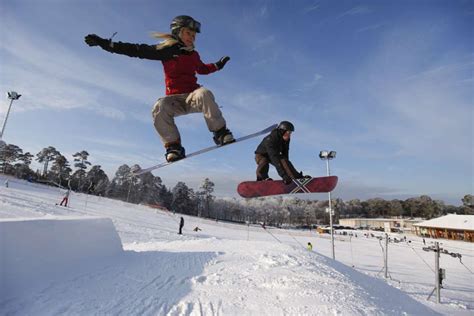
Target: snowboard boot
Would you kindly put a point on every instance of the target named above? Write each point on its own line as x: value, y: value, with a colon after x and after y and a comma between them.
x: 175, y: 152
x: 223, y: 137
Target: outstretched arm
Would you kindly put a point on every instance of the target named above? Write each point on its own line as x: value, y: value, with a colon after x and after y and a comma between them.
x: 204, y: 69
x: 133, y: 50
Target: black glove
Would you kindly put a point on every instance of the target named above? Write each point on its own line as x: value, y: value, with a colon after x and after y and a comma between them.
x: 287, y: 179
x: 94, y: 40
x: 221, y: 63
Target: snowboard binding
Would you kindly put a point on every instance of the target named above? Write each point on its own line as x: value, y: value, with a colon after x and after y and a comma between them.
x: 223, y: 137
x: 175, y: 152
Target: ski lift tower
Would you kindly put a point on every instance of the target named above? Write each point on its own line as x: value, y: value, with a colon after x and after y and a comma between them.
x: 328, y: 155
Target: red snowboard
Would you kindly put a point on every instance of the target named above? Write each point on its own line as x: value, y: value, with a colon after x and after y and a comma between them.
x: 249, y: 189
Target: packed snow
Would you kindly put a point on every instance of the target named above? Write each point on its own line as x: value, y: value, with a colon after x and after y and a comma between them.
x: 74, y: 264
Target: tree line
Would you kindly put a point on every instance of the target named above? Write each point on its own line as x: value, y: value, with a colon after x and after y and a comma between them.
x: 148, y: 189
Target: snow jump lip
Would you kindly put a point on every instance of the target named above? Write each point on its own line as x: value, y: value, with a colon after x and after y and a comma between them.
x: 250, y: 189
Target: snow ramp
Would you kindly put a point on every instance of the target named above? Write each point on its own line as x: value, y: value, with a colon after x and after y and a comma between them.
x: 37, y: 251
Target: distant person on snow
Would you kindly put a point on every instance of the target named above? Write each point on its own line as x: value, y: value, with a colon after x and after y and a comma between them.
x: 184, y: 95
x: 310, y: 246
x: 65, y: 198
x: 181, y: 225
x: 274, y: 149
x: 6, y: 183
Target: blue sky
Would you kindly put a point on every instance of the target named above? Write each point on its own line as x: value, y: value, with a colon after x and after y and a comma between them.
x: 386, y: 84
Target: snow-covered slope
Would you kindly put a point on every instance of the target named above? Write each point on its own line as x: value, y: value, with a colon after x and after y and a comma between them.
x: 224, y: 269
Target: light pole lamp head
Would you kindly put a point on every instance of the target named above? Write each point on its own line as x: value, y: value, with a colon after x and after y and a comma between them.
x: 12, y: 95
x: 327, y: 155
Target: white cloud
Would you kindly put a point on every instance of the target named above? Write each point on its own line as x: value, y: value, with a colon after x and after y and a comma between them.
x: 313, y: 7
x: 373, y: 27
x: 58, y: 78
x: 316, y: 79
x: 359, y: 10
x: 111, y: 112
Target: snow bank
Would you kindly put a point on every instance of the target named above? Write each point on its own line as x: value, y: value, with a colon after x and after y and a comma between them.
x: 37, y: 251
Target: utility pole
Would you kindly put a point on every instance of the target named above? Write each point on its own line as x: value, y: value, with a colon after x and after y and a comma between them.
x: 386, y: 256
x: 440, y: 274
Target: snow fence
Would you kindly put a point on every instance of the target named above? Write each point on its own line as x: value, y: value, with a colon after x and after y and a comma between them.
x: 35, y: 252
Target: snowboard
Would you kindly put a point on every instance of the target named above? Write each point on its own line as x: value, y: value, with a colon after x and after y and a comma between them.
x: 250, y: 189
x: 205, y: 150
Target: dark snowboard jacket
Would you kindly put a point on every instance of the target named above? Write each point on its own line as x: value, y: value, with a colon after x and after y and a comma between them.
x: 275, y: 149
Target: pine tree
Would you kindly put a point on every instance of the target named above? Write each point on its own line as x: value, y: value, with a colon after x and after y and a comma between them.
x: 81, y: 163
x: 45, y: 156
x: 182, y: 202
x: 205, y: 197
x: 9, y: 154
x: 467, y: 204
x: 22, y: 168
x: 60, y: 169
x: 96, y: 180
x: 120, y: 185
x: 149, y: 188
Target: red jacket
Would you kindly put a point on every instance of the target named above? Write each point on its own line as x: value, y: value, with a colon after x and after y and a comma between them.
x: 180, y: 73
x: 180, y: 66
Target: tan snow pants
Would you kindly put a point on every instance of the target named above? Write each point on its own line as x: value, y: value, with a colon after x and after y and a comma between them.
x: 200, y: 100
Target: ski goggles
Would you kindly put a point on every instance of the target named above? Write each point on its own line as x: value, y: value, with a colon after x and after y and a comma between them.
x: 193, y: 25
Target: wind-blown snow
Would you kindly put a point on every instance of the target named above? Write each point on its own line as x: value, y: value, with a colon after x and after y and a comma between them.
x: 224, y: 269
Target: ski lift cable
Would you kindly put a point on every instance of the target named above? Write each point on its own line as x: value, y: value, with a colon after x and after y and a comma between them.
x: 422, y: 259
x: 352, y: 256
x: 289, y: 233
x: 464, y: 249
x: 409, y: 246
x: 272, y: 235
x: 383, y: 250
x: 460, y: 261
x: 402, y: 244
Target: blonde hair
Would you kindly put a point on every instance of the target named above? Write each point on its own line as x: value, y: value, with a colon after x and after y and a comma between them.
x: 168, y: 39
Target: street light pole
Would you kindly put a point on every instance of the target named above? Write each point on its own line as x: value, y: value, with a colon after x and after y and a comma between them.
x: 330, y: 215
x: 328, y: 155
x: 12, y: 95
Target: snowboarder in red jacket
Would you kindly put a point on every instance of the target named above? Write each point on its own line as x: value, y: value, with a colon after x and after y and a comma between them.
x: 184, y: 95
x: 274, y: 149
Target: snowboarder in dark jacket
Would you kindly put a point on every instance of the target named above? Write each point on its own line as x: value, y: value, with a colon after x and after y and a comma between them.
x: 181, y: 62
x: 274, y: 149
